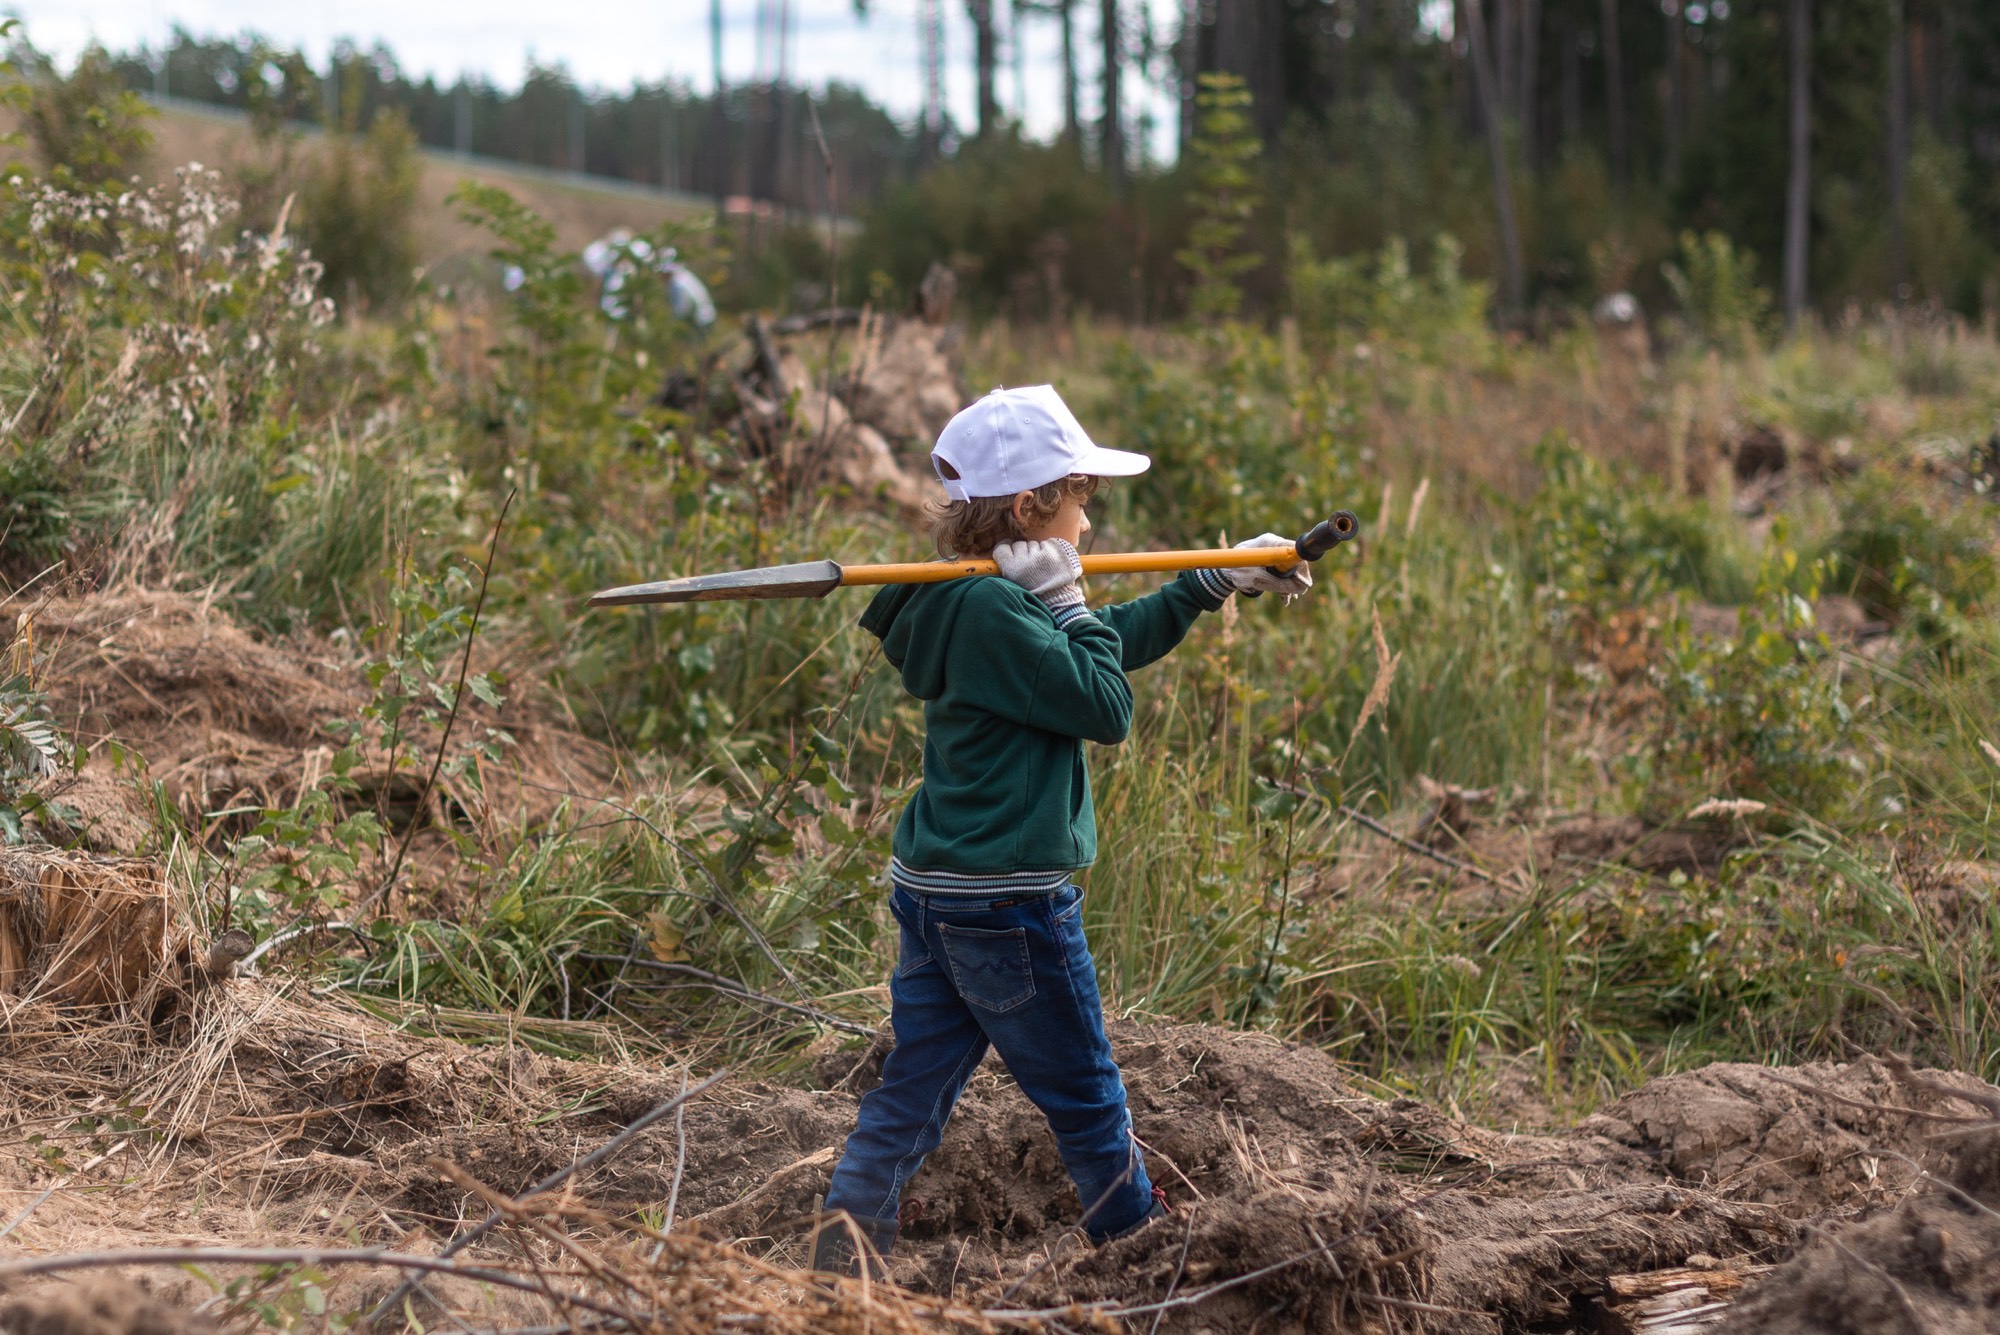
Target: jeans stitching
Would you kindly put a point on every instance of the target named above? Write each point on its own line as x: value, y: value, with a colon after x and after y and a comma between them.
x: 904, y: 970
x: 1027, y: 963
x: 1076, y: 1002
x: 957, y: 1081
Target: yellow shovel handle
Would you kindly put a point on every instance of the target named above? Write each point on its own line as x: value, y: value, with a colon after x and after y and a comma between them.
x: 1110, y: 563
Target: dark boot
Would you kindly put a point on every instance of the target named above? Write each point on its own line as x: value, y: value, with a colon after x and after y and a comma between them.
x: 835, y: 1252
x: 1160, y: 1210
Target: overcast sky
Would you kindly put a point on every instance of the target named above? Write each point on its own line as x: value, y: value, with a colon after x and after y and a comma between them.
x: 611, y: 43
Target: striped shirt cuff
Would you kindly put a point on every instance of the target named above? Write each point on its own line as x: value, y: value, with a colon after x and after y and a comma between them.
x: 977, y: 884
x: 1216, y: 585
x: 1070, y: 612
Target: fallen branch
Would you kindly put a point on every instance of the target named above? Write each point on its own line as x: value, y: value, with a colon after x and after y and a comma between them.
x: 745, y: 1205
x: 730, y: 987
x: 264, y: 1256
x: 1368, y: 822
x: 226, y: 951
x: 799, y: 324
x: 290, y: 933
x: 1909, y: 1076
x: 1918, y: 1113
x: 466, y: 1237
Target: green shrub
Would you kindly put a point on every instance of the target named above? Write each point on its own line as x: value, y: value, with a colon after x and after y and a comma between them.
x: 1911, y: 553
x: 1760, y: 716
x: 358, y: 210
x: 87, y: 131
x: 34, y: 509
x: 1715, y: 283
x: 1228, y: 455
x: 1601, y: 542
x: 1380, y: 300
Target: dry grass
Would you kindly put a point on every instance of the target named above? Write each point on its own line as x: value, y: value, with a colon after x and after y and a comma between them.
x: 81, y: 930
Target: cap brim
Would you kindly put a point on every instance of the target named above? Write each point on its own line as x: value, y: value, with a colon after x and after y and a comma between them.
x: 1100, y: 462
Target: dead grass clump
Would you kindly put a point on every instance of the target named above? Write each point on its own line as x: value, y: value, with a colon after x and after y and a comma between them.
x: 78, y: 929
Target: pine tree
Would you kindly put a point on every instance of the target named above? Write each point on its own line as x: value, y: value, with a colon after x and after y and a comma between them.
x: 1225, y: 154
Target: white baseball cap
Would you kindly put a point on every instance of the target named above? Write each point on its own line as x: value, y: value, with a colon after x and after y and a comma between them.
x: 1015, y: 440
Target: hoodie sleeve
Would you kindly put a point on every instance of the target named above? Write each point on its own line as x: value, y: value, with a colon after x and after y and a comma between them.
x: 1062, y: 678
x: 1148, y: 628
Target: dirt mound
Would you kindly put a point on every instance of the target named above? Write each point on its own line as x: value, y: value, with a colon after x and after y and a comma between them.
x: 1928, y: 1265
x: 165, y: 688
x: 1819, y: 1141
x: 1300, y: 1197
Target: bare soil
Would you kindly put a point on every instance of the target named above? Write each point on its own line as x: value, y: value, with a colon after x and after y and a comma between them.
x: 263, y: 1114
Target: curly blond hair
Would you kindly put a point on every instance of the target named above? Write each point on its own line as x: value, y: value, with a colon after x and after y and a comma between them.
x: 974, y: 528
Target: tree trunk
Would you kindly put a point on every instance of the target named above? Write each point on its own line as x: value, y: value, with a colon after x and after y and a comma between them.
x: 715, y: 41
x: 1798, y: 190
x: 1111, y: 133
x: 1249, y: 42
x: 1512, y: 290
x: 1190, y: 68
x: 1676, y: 92
x: 1614, y: 91
x: 1530, y: 101
x: 1071, y: 126
x: 986, y: 56
x: 1506, y: 30
x: 930, y: 37
x: 718, y: 119
x: 1572, y: 85
x: 1899, y: 153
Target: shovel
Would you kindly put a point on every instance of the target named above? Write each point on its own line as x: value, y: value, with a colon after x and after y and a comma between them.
x: 816, y: 579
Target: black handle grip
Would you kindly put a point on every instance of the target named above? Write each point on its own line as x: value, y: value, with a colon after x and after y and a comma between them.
x: 1328, y: 534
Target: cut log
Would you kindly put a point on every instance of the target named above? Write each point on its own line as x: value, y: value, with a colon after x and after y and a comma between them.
x: 1681, y: 1301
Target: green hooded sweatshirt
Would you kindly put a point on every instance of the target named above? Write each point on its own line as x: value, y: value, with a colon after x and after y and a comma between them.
x: 1010, y: 697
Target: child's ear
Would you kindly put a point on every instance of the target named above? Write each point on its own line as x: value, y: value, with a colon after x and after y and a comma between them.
x: 1020, y: 510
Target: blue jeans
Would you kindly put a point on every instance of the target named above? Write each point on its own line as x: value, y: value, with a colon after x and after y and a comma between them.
x: 1014, y: 974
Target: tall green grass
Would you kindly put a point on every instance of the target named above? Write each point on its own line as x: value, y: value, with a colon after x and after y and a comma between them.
x: 767, y: 749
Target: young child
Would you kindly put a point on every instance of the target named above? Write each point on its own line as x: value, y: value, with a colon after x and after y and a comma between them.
x: 1015, y: 673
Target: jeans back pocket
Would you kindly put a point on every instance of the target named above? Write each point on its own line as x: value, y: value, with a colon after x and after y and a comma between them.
x: 990, y: 966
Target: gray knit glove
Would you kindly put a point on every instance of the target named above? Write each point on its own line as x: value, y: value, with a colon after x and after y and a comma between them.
x: 1048, y: 569
x: 1250, y: 581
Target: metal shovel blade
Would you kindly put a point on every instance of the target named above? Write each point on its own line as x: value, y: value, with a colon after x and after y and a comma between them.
x: 808, y: 579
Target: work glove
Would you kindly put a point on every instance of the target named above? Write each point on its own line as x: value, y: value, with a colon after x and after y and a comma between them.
x: 1251, y: 581
x: 1048, y: 569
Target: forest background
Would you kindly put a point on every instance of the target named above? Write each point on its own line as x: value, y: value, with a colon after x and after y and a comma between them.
x: 1566, y: 145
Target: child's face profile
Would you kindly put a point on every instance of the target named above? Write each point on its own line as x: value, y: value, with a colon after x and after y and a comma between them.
x: 1069, y: 522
